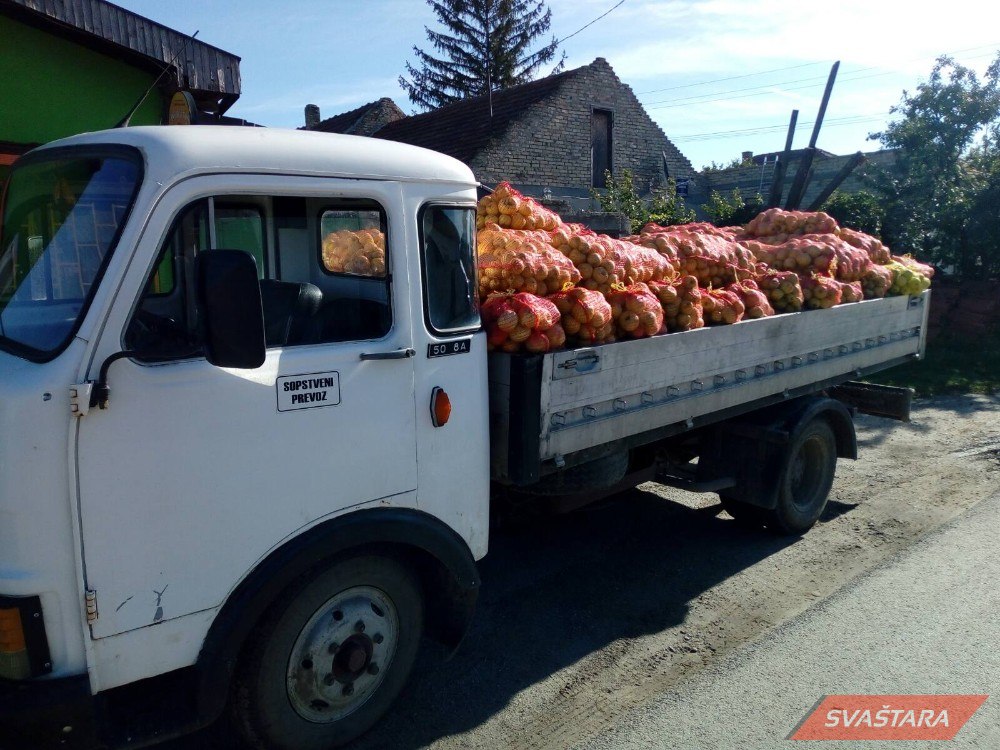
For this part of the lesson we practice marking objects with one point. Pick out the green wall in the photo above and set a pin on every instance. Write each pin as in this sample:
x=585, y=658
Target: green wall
x=51, y=88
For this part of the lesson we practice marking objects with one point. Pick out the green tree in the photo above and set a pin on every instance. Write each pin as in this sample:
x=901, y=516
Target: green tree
x=863, y=210
x=484, y=45
x=732, y=209
x=935, y=197
x=663, y=206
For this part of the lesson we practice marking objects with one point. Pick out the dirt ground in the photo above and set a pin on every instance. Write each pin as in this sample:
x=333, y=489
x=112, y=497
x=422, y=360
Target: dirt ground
x=587, y=615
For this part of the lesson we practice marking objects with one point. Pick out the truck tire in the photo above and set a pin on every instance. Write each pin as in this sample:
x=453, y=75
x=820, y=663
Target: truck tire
x=805, y=479
x=330, y=656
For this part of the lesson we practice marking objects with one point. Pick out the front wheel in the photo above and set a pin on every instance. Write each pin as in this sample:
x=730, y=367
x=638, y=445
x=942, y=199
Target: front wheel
x=329, y=657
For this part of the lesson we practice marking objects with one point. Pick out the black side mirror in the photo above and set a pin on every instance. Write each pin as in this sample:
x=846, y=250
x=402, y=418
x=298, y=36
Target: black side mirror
x=230, y=307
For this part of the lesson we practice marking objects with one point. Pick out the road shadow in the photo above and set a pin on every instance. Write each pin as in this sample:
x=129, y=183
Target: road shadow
x=562, y=589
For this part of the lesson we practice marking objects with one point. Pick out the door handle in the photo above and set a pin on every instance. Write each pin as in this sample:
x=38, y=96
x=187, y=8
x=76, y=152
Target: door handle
x=398, y=354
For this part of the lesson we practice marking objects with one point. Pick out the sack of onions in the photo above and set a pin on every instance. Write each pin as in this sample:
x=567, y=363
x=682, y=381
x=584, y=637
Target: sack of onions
x=586, y=315
x=820, y=292
x=776, y=222
x=510, y=209
x=782, y=288
x=635, y=311
x=872, y=246
x=360, y=252
x=754, y=300
x=876, y=281
x=722, y=307
x=681, y=302
x=520, y=262
x=516, y=322
x=851, y=291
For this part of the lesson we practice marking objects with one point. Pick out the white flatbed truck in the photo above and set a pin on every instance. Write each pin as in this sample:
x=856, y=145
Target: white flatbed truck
x=235, y=481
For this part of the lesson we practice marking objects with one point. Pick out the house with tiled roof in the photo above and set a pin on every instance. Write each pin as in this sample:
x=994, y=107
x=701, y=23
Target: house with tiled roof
x=553, y=136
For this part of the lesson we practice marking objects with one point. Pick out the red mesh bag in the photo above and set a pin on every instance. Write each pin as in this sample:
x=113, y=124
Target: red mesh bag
x=509, y=209
x=521, y=321
x=681, y=302
x=875, y=282
x=712, y=273
x=780, y=224
x=604, y=262
x=754, y=300
x=636, y=311
x=722, y=307
x=820, y=292
x=783, y=289
x=872, y=246
x=850, y=291
x=697, y=240
x=586, y=315
x=512, y=261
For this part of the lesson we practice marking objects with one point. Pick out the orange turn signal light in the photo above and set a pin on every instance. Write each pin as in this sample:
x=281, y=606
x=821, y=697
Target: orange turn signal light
x=11, y=631
x=440, y=407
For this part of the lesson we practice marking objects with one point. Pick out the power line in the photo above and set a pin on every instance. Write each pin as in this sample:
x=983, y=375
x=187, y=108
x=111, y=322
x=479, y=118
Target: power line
x=685, y=102
x=764, y=129
x=803, y=65
x=616, y=5
x=729, y=78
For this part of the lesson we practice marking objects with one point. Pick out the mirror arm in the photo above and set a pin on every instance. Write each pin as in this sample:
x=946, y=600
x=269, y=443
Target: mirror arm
x=101, y=394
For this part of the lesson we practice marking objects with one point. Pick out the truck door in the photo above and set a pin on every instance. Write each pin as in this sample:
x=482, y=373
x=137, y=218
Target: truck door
x=194, y=472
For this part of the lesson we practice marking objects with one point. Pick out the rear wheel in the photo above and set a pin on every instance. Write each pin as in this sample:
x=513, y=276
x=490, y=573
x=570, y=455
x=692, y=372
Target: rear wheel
x=806, y=479
x=330, y=657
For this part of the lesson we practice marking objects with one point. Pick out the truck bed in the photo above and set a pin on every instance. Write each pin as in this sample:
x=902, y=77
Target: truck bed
x=549, y=410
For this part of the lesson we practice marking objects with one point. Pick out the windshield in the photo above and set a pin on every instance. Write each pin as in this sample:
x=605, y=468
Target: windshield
x=62, y=216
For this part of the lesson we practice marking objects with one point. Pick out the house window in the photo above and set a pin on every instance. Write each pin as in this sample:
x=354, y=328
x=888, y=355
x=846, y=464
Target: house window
x=600, y=146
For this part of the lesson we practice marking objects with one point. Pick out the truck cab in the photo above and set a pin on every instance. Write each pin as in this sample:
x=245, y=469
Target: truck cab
x=243, y=427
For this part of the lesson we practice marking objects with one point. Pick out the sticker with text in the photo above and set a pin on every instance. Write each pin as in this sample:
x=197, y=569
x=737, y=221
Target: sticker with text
x=888, y=717
x=308, y=391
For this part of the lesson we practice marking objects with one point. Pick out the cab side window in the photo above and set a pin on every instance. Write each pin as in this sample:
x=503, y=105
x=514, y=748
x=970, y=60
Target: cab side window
x=323, y=268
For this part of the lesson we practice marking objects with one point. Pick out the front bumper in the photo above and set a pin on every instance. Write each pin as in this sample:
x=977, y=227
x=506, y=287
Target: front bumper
x=46, y=713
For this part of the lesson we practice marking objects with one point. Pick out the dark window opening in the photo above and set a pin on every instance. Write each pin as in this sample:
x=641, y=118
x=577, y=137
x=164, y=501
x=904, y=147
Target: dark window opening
x=600, y=146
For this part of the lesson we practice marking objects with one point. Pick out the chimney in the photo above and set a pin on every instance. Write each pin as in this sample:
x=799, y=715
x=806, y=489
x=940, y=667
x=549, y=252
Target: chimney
x=747, y=155
x=312, y=115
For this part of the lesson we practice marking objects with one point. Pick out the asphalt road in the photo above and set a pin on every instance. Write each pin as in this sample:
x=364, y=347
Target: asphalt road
x=925, y=622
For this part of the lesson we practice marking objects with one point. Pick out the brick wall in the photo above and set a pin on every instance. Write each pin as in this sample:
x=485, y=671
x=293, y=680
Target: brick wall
x=549, y=144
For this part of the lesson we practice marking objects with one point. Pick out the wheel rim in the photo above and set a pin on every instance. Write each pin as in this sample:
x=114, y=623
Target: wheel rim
x=806, y=473
x=342, y=654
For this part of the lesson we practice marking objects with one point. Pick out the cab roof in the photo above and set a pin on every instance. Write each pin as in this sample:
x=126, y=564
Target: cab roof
x=170, y=151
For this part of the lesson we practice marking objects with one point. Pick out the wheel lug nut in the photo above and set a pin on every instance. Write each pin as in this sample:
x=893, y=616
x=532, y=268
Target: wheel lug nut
x=373, y=669
x=328, y=680
x=349, y=689
x=359, y=626
x=378, y=638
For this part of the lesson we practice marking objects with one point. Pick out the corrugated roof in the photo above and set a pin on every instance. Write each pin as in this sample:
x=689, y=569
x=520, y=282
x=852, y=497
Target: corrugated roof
x=111, y=29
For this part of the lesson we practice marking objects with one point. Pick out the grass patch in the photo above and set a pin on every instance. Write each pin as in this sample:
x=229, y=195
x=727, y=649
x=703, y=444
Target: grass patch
x=952, y=365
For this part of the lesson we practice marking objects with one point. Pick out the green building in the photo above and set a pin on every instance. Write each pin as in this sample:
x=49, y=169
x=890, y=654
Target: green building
x=75, y=66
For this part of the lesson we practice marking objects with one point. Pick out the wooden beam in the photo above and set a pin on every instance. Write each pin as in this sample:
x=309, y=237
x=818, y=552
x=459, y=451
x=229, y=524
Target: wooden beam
x=778, y=180
x=853, y=163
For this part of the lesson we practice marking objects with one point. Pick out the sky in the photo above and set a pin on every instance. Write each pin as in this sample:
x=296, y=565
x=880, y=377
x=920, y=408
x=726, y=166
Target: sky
x=719, y=76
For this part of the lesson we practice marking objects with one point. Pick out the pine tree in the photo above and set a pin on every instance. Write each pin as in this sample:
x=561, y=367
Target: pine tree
x=485, y=44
